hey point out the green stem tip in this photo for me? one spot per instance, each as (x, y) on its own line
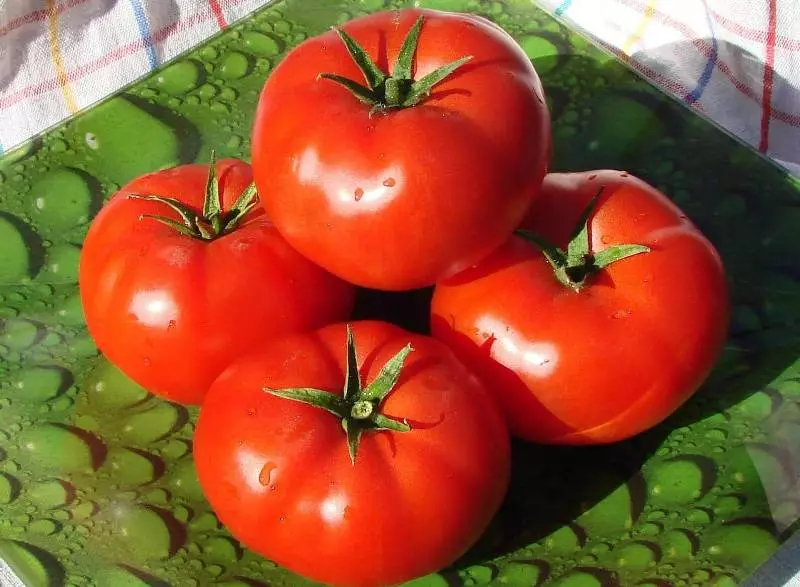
(357, 407)
(212, 221)
(575, 266)
(399, 89)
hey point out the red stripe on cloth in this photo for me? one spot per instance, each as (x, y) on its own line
(769, 75)
(37, 16)
(705, 48)
(218, 14)
(114, 55)
(755, 35)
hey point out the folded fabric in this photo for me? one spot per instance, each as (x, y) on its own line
(735, 61)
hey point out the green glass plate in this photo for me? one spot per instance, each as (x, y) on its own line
(97, 485)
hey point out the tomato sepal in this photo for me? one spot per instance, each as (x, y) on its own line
(575, 265)
(212, 222)
(398, 90)
(358, 407)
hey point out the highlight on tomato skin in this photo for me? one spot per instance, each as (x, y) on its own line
(181, 272)
(593, 336)
(301, 470)
(412, 166)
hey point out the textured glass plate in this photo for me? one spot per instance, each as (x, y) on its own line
(97, 485)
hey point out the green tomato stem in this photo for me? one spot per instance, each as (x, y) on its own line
(398, 90)
(358, 408)
(575, 266)
(210, 223)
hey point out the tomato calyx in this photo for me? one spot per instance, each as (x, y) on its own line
(574, 266)
(358, 407)
(210, 223)
(398, 90)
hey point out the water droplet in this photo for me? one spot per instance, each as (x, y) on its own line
(358, 194)
(221, 550)
(621, 314)
(582, 578)
(183, 481)
(207, 91)
(50, 494)
(9, 488)
(563, 541)
(120, 128)
(389, 182)
(234, 65)
(53, 447)
(234, 142)
(637, 555)
(61, 265)
(82, 510)
(152, 424)
(700, 516)
(680, 481)
(740, 545)
(32, 565)
(62, 199)
(108, 389)
(91, 141)
(204, 522)
(180, 78)
(39, 384)
(19, 241)
(175, 449)
(18, 334)
(261, 44)
(265, 476)
(132, 467)
(146, 532)
(219, 108)
(610, 517)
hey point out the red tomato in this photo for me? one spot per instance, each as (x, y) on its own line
(408, 504)
(397, 197)
(172, 310)
(609, 358)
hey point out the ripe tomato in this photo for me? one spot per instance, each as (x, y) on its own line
(399, 183)
(171, 310)
(377, 505)
(617, 349)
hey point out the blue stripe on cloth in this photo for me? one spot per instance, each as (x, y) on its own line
(2, 150)
(563, 7)
(144, 31)
(708, 70)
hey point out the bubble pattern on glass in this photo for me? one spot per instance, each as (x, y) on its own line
(97, 483)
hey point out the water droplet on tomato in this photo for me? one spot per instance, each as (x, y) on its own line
(621, 314)
(265, 476)
(359, 193)
(171, 324)
(146, 361)
(251, 411)
(389, 182)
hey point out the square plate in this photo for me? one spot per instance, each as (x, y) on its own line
(97, 483)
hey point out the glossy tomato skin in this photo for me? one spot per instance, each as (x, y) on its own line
(284, 484)
(399, 199)
(619, 356)
(172, 311)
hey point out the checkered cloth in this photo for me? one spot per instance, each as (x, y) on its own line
(735, 61)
